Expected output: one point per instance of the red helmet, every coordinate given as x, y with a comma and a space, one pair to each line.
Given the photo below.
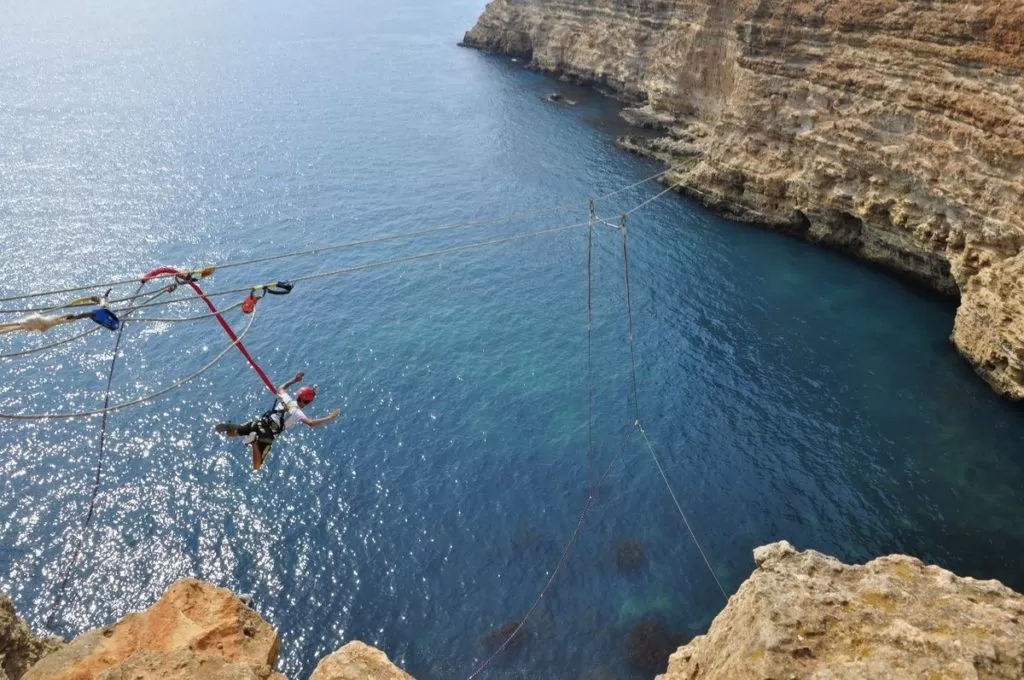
306, 393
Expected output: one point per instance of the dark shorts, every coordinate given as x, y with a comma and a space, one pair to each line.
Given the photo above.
255, 427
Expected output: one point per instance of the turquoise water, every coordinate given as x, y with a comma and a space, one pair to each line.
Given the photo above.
789, 392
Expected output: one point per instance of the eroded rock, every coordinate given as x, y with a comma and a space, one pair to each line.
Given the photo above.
19, 648
195, 630
358, 661
807, 615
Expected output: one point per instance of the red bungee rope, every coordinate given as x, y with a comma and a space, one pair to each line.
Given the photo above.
186, 277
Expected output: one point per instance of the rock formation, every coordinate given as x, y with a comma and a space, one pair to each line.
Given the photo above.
358, 661
195, 631
807, 615
19, 648
890, 129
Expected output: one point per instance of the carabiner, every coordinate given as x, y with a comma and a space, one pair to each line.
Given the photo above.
279, 288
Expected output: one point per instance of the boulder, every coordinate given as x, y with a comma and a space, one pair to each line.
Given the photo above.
808, 615
358, 661
196, 630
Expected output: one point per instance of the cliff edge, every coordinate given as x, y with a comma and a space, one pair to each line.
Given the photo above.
807, 615
892, 130
196, 631
19, 648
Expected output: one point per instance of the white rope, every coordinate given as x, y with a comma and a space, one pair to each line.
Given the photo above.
141, 400
43, 348
652, 199
385, 263
679, 507
171, 319
335, 246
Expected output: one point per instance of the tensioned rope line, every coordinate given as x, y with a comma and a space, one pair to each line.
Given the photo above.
171, 319
141, 400
337, 272
336, 246
437, 230
636, 406
591, 495
62, 589
590, 343
43, 348
79, 336
682, 514
652, 199
385, 263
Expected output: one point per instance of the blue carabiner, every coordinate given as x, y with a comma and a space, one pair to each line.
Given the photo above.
105, 318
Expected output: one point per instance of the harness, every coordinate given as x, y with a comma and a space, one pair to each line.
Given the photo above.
271, 423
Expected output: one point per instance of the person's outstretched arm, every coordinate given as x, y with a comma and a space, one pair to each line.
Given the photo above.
298, 377
316, 422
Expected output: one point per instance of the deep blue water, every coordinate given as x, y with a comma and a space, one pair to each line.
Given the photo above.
790, 392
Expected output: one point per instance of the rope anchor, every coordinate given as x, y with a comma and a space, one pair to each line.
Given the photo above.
258, 292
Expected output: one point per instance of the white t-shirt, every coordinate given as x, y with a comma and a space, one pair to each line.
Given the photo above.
293, 414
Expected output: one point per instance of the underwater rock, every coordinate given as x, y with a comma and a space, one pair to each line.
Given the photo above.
649, 645
495, 638
19, 648
629, 554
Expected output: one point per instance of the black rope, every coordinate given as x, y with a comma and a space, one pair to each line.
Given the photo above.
636, 405
629, 314
590, 356
587, 505
62, 589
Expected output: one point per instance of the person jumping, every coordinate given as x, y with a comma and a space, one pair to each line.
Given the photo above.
285, 413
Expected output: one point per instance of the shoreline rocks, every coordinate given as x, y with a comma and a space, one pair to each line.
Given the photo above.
808, 615
20, 649
799, 615
196, 631
889, 131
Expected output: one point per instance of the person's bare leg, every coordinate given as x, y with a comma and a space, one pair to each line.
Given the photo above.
257, 455
228, 429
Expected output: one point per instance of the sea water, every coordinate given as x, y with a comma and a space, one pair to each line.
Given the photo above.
787, 391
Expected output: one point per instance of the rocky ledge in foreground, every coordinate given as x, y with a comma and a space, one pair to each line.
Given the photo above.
800, 615
892, 130
19, 648
807, 615
196, 631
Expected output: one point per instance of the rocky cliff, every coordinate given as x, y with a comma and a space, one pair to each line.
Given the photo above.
891, 129
807, 615
19, 648
800, 615
196, 631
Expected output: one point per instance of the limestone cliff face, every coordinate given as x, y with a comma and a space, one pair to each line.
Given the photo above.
892, 129
807, 615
